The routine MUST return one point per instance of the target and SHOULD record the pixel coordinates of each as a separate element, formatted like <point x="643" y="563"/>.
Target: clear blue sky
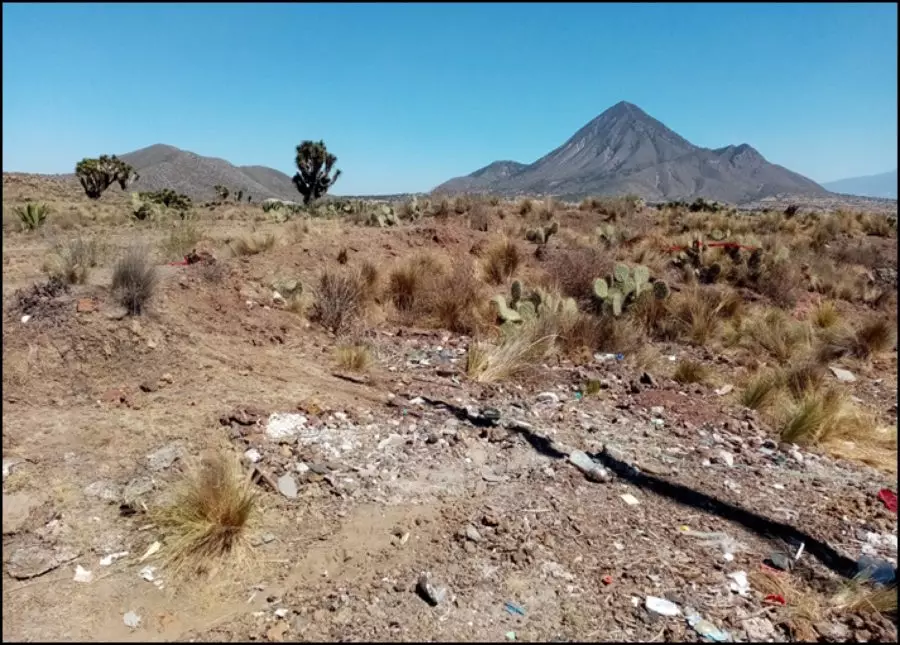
<point x="409" y="95"/>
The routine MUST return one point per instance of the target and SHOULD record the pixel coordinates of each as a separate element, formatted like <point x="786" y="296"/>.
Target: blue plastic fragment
<point x="880" y="571"/>
<point x="513" y="608"/>
<point x="620" y="357"/>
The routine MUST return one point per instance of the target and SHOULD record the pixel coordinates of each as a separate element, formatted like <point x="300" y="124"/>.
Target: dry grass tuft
<point x="253" y="244"/>
<point x="338" y="301"/>
<point x="355" y="357"/>
<point x="342" y="256"/>
<point x="876" y="335"/>
<point x="182" y="239"/>
<point x="454" y="299"/>
<point x="209" y="514"/>
<point x="815" y="418"/>
<point x="501" y="261"/>
<point x="778" y="334"/>
<point x="761" y="391"/>
<point x="134" y="279"/>
<point x="688" y="371"/>
<point x="403" y="287"/>
<point x="517" y="352"/>
<point x="698" y="311"/>
<point x="72" y="262"/>
<point x="825" y="315"/>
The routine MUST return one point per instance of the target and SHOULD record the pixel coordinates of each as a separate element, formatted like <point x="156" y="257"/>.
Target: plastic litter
<point x="739" y="584"/>
<point x="151" y="550"/>
<point x="607" y="580"/>
<point x="661" y="606"/>
<point x="107" y="560"/>
<point x="513" y="608"/>
<point x="725" y="542"/>
<point x="879" y="571"/>
<point x="510" y="636"/>
<point x="706" y="628"/>
<point x="83" y="575"/>
<point x="629" y="499"/>
<point x="775" y="599"/>
<point x="620" y="357"/>
<point x="889" y="499"/>
<point x="132" y="620"/>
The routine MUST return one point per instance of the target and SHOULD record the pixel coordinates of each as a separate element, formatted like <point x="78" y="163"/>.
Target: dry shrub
<point x="212" y="272"/>
<point x="602" y="334"/>
<point x="369" y="276"/>
<point x="342" y="256"/>
<point x="479" y="218"/>
<point x="877" y="225"/>
<point x="182" y="238"/>
<point x="526" y="206"/>
<point x="253" y="243"/>
<point x="779" y="281"/>
<point x="825" y="315"/>
<point x="208" y="517"/>
<point x="515" y="354"/>
<point x="812" y="419"/>
<point x="134" y="279"/>
<point x="803" y="378"/>
<point x="574" y="271"/>
<point x="688" y="371"/>
<point x="338" y="300"/>
<point x="72" y="262"/>
<point x="453" y="299"/>
<point x="761" y="391"/>
<point x="461" y="204"/>
<point x="698" y="311"/>
<point x="355" y="357"/>
<point x="501" y="261"/>
<point x="778" y="334"/>
<point x="407" y="282"/>
<point x="877" y="334"/>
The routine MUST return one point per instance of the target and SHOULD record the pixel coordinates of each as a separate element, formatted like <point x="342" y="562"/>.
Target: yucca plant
<point x="32" y="215"/>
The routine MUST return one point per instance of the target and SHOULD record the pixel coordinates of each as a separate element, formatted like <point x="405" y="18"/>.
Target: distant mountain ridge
<point x="882" y="185"/>
<point x="625" y="150"/>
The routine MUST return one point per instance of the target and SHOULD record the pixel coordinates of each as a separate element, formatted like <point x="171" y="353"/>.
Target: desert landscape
<point x="637" y="390"/>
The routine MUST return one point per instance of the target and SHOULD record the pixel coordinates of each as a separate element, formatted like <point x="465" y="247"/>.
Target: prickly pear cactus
<point x="624" y="287"/>
<point x="505" y="313"/>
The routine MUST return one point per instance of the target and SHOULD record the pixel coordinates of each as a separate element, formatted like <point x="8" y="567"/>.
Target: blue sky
<point x="409" y="95"/>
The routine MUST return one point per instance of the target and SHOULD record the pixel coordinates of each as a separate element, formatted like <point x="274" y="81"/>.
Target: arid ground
<point x="417" y="470"/>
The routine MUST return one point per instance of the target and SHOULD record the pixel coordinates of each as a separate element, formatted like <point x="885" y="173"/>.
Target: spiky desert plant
<point x="32" y="215"/>
<point x="314" y="170"/>
<point x="338" y="300"/>
<point x="222" y="192"/>
<point x="96" y="175"/>
<point x="207" y="517"/>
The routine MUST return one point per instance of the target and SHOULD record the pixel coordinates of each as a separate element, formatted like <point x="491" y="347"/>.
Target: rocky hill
<point x="625" y="150"/>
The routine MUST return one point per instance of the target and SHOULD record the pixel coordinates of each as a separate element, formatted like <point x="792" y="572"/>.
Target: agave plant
<point x="32" y="215"/>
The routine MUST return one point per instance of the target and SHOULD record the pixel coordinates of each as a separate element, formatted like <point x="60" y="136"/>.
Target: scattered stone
<point x="629" y="499"/>
<point x="842" y="375"/>
<point x="16" y="509"/>
<point x="548" y="397"/>
<point x="252" y="455"/>
<point x="725" y="389"/>
<point x="149" y="386"/>
<point x="647" y="379"/>
<point x="287" y="486"/>
<point x="167" y="378"/>
<point x="83" y="575"/>
<point x="136" y="488"/>
<point x="9" y="465"/>
<point x="284" y="425"/>
<point x="760" y="630"/>
<point x="164" y="457"/>
<point x="105" y="490"/>
<point x="657" y="410"/>
<point x="245" y="416"/>
<point x="117" y="313"/>
<point x="472" y="533"/>
<point x="725" y="457"/>
<point x="36" y="560"/>
<point x="429" y="590"/>
<point x="85" y="305"/>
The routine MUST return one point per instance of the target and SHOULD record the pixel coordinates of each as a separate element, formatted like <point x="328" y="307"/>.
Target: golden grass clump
<point x="355" y="357"/>
<point x="134" y="279"/>
<point x="698" y="311"/>
<point x="182" y="238"/>
<point x="517" y="352"/>
<point x="688" y="371"/>
<point x="501" y="261"/>
<point x="253" y="244"/>
<point x="208" y="516"/>
<point x="761" y="391"/>
<point x="73" y="261"/>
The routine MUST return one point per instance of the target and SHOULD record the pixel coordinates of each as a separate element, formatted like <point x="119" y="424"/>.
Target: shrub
<point x="403" y="287"/>
<point x="253" y="244"/>
<point x="453" y="299"/>
<point x="689" y="371"/>
<point x="134" y="279"/>
<point x="314" y="175"/>
<point x="181" y="240"/>
<point x="515" y="354"/>
<point x="876" y="335"/>
<point x="762" y="390"/>
<point x="32" y="215"/>
<point x="778" y="334"/>
<point x="479" y="218"/>
<point x="369" y="276"/>
<point x="73" y="262"/>
<point x="355" y="357"/>
<point x="501" y="261"/>
<point x="338" y="301"/>
<point x="208" y="517"/>
<point x="813" y="418"/>
<point x="698" y="311"/>
<point x="575" y="270"/>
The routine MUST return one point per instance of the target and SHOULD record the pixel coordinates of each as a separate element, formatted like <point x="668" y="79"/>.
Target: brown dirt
<point x="396" y="480"/>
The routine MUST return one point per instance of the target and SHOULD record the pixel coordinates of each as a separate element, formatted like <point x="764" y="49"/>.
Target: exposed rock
<point x="164" y="457"/>
<point x="842" y="375"/>
<point x="287" y="486"/>
<point x="36" y="560"/>
<point x="431" y="592"/>
<point x="105" y="490"/>
<point x="16" y="509"/>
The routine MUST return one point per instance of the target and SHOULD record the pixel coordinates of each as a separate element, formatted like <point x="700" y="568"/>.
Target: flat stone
<point x="136" y="488"/>
<point x="287" y="486"/>
<point x="36" y="560"/>
<point x="759" y="630"/>
<point x="85" y="305"/>
<point x="842" y="375"/>
<point x="284" y="425"/>
<point x="149" y="386"/>
<point x="472" y="534"/>
<point x="164" y="457"/>
<point x="105" y="490"/>
<point x="16" y="509"/>
<point x="725" y="457"/>
<point x="429" y="590"/>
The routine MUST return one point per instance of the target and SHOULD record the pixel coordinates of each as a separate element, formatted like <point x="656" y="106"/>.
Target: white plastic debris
<point x="83" y="575"/>
<point x="281" y="612"/>
<point x="739" y="584"/>
<point x="152" y="549"/>
<point x="661" y="606"/>
<point x="252" y="455"/>
<point x="107" y="560"/>
<point x="629" y="499"/>
<point x="26" y="318"/>
<point x="725" y="389"/>
<point x="148" y="573"/>
<point x="132" y="620"/>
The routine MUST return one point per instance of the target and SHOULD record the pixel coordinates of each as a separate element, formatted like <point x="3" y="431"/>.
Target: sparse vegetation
<point x="688" y="371"/>
<point x="73" y="261"/>
<point x="253" y="243"/>
<point x="338" y="300"/>
<point x="355" y="357"/>
<point x="501" y="261"/>
<point x="134" y="279"/>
